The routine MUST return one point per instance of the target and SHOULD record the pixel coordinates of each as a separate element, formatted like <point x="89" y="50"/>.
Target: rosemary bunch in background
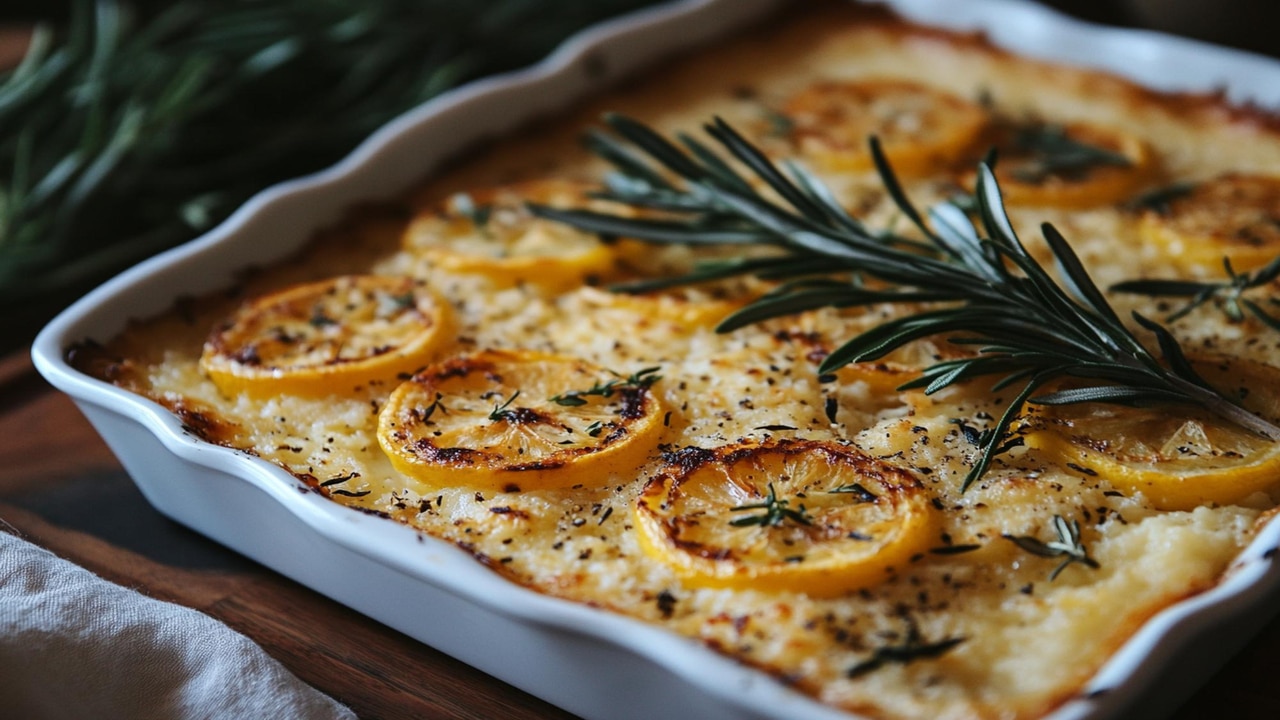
<point x="128" y="131"/>
<point x="983" y="287"/>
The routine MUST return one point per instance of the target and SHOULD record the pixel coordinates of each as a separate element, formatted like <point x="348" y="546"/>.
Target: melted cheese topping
<point x="1009" y="642"/>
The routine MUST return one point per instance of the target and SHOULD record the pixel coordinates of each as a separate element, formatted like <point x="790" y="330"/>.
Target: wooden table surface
<point x="61" y="488"/>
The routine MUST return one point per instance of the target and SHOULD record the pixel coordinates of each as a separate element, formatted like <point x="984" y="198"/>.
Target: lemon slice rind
<point x="489" y="232"/>
<point x="865" y="518"/>
<point x="920" y="129"/>
<point x="331" y="336"/>
<point x="490" y="421"/>
<point x="1178" y="458"/>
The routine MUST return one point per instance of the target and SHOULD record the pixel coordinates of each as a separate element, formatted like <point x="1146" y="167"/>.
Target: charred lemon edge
<point x="1201" y="248"/>
<point x="589" y="466"/>
<point x="1182" y="489"/>
<point x="959" y="128"/>
<point x="591" y="259"/>
<point x="233" y="377"/>
<point x="826" y="579"/>
<point x="1103" y="185"/>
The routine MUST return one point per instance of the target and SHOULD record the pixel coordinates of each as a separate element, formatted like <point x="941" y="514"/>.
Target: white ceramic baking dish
<point x="593" y="663"/>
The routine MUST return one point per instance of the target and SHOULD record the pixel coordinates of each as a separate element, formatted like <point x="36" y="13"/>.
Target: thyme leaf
<point x="1158" y="200"/>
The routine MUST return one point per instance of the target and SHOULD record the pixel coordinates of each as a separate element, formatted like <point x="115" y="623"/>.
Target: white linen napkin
<point x="73" y="645"/>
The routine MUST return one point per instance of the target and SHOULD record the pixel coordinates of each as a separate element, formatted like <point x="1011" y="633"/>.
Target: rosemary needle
<point x="984" y="287"/>
<point x="1227" y="295"/>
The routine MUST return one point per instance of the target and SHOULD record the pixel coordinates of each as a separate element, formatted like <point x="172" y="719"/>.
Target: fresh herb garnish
<point x="1067" y="546"/>
<point x="318" y="319"/>
<point x="912" y="648"/>
<point x="1046" y="149"/>
<point x="1227" y="295"/>
<point x="984" y="438"/>
<point x="857" y="490"/>
<point x="1029" y="329"/>
<point x="502" y="411"/>
<point x="1160" y="199"/>
<point x="350" y="493"/>
<point x="328" y="484"/>
<point x="635" y="381"/>
<point x="776" y="511"/>
<point x="425" y="414"/>
<point x="404" y="301"/>
<point x="339" y="479"/>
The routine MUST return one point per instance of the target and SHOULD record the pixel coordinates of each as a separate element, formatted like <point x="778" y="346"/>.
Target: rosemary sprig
<point x="911" y="649"/>
<point x="1227" y="295"/>
<point x="1067" y="546"/>
<point x="638" y="380"/>
<point x="986" y="288"/>
<point x="776" y="511"/>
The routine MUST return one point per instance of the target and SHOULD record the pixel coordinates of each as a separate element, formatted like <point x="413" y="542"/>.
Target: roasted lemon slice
<point x="490" y="232"/>
<point x="520" y="420"/>
<point x="1078" y="165"/>
<point x="801" y="516"/>
<point x="920" y="129"/>
<point x="325" y="337"/>
<point x="678" y="307"/>
<point x="1179" y="458"/>
<point x="1233" y="216"/>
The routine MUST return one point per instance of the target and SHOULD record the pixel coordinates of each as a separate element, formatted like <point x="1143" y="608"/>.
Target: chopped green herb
<point x="1051" y="151"/>
<point x="1067" y="546"/>
<point x="502" y="411"/>
<point x="1227" y="295"/>
<point x="912" y="648"/>
<point x="776" y="511"/>
<point x="636" y="381"/>
<point x="857" y="490"/>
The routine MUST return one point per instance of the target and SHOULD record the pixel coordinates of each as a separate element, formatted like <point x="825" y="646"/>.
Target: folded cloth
<point x="73" y="645"/>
